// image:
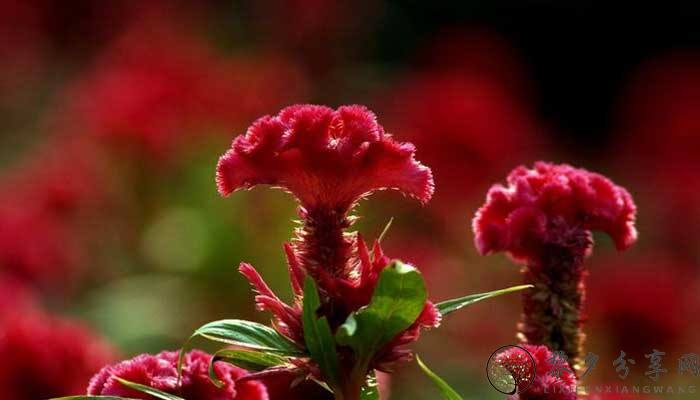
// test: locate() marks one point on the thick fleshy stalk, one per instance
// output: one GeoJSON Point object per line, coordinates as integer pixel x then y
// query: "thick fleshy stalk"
{"type": "Point", "coordinates": [553, 311]}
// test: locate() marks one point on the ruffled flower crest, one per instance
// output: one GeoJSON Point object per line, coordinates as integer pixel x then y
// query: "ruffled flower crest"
{"type": "Point", "coordinates": [329, 160]}
{"type": "Point", "coordinates": [553, 204]}
{"type": "Point", "coordinates": [160, 372]}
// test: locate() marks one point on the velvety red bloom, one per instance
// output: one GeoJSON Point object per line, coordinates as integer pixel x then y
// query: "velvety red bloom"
{"type": "Point", "coordinates": [549, 204]}
{"type": "Point", "coordinates": [543, 380]}
{"type": "Point", "coordinates": [45, 356]}
{"type": "Point", "coordinates": [328, 159]}
{"type": "Point", "coordinates": [544, 218]}
{"type": "Point", "coordinates": [157, 89]}
{"type": "Point", "coordinates": [160, 372]}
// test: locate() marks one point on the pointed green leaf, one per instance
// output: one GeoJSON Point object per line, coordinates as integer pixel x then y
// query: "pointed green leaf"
{"type": "Point", "coordinates": [92, 398]}
{"type": "Point", "coordinates": [248, 334]}
{"type": "Point", "coordinates": [370, 391]}
{"type": "Point", "coordinates": [317, 334]}
{"type": "Point", "coordinates": [148, 390]}
{"type": "Point", "coordinates": [447, 392]}
{"type": "Point", "coordinates": [246, 359]}
{"type": "Point", "coordinates": [450, 306]}
{"type": "Point", "coordinates": [398, 300]}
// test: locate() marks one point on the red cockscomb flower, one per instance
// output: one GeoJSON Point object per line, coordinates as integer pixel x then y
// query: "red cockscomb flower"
{"type": "Point", "coordinates": [160, 372]}
{"type": "Point", "coordinates": [544, 218]}
{"type": "Point", "coordinates": [45, 356]}
{"type": "Point", "coordinates": [544, 386]}
{"type": "Point", "coordinates": [157, 89]}
{"type": "Point", "coordinates": [328, 159]}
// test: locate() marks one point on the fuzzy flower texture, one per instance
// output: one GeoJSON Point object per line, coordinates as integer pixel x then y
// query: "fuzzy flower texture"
{"type": "Point", "coordinates": [160, 372]}
{"type": "Point", "coordinates": [328, 159]}
{"type": "Point", "coordinates": [544, 219]}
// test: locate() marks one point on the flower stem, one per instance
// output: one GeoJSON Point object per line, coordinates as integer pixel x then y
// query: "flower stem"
{"type": "Point", "coordinates": [553, 312]}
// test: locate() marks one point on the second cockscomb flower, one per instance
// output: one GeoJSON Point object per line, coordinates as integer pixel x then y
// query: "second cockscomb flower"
{"type": "Point", "coordinates": [544, 218]}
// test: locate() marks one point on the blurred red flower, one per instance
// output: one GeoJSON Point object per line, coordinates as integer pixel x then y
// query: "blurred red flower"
{"type": "Point", "coordinates": [50, 196]}
{"type": "Point", "coordinates": [45, 356]}
{"type": "Point", "coordinates": [659, 140]}
{"type": "Point", "coordinates": [638, 302]}
{"type": "Point", "coordinates": [158, 88]}
{"type": "Point", "coordinates": [465, 110]}
{"type": "Point", "coordinates": [160, 372]}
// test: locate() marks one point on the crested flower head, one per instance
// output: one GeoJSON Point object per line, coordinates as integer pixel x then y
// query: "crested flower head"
{"type": "Point", "coordinates": [553, 205]}
{"type": "Point", "coordinates": [160, 372]}
{"type": "Point", "coordinates": [327, 158]}
{"type": "Point", "coordinates": [544, 386]}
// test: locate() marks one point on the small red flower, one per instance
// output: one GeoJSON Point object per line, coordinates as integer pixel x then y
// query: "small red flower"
{"type": "Point", "coordinates": [45, 356]}
{"type": "Point", "coordinates": [552, 204]}
{"type": "Point", "coordinates": [543, 381]}
{"type": "Point", "coordinates": [160, 372]}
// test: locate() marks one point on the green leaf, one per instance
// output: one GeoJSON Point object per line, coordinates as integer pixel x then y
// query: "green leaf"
{"type": "Point", "coordinates": [247, 334]}
{"type": "Point", "coordinates": [92, 398]}
{"type": "Point", "coordinates": [398, 300]}
{"type": "Point", "coordinates": [148, 390]}
{"type": "Point", "coordinates": [370, 391]}
{"type": "Point", "coordinates": [317, 334]}
{"type": "Point", "coordinates": [447, 392]}
{"type": "Point", "coordinates": [449, 306]}
{"type": "Point", "coordinates": [246, 359]}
